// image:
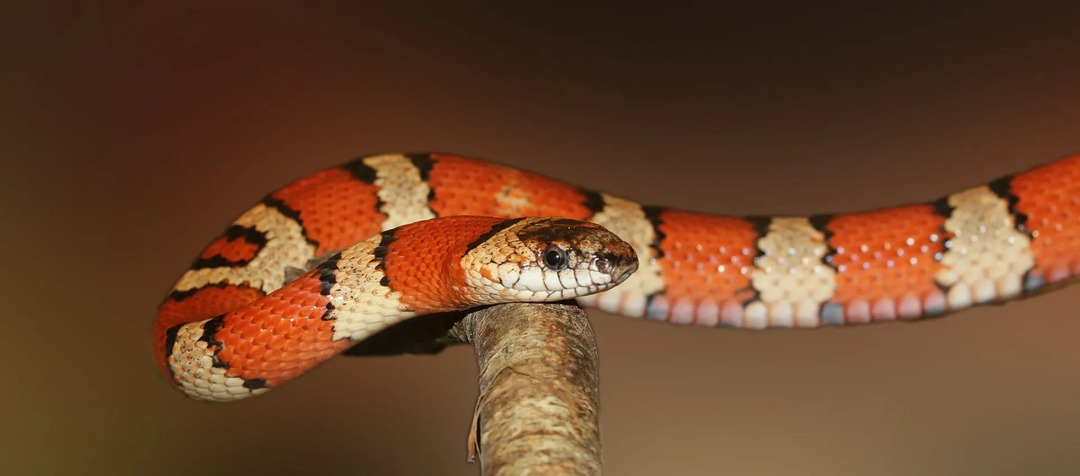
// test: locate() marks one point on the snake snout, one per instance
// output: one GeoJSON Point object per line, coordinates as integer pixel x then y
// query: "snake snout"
{"type": "Point", "coordinates": [617, 264]}
{"type": "Point", "coordinates": [607, 262]}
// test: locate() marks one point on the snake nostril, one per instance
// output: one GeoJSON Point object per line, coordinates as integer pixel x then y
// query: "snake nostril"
{"type": "Point", "coordinates": [607, 262]}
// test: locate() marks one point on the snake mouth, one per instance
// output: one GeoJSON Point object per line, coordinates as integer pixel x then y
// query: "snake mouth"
{"type": "Point", "coordinates": [619, 271]}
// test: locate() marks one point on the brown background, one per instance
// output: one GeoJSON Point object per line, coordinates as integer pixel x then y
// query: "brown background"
{"type": "Point", "coordinates": [133, 134]}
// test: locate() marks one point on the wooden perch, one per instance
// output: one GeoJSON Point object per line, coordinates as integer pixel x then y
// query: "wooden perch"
{"type": "Point", "coordinates": [538, 410]}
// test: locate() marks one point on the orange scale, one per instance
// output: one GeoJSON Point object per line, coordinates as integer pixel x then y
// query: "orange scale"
{"type": "Point", "coordinates": [282, 327]}
{"type": "Point", "coordinates": [336, 209]}
{"type": "Point", "coordinates": [271, 360]}
{"type": "Point", "coordinates": [230, 341]}
{"type": "Point", "coordinates": [289, 365]}
{"type": "Point", "coordinates": [287, 358]}
{"type": "Point", "coordinates": [313, 335]}
{"type": "Point", "coordinates": [285, 309]}
{"type": "Point", "coordinates": [1047, 195]}
{"type": "Point", "coordinates": [250, 332]}
{"type": "Point", "coordinates": [285, 361]}
{"type": "Point", "coordinates": [304, 326]}
{"type": "Point", "coordinates": [291, 345]}
{"type": "Point", "coordinates": [237, 361]}
{"type": "Point", "coordinates": [285, 373]}
{"type": "Point", "coordinates": [257, 352]}
{"type": "Point", "coordinates": [235, 250]}
{"type": "Point", "coordinates": [290, 374]}
{"type": "Point", "coordinates": [244, 347]}
{"type": "Point", "coordinates": [687, 281]}
{"type": "Point", "coordinates": [470, 187]}
{"type": "Point", "coordinates": [865, 276]}
{"type": "Point", "coordinates": [263, 338]}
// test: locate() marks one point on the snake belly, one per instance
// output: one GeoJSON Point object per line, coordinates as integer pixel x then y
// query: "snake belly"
{"type": "Point", "coordinates": [1007, 239]}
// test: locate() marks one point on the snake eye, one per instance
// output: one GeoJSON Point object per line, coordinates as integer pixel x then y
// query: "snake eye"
{"type": "Point", "coordinates": [555, 258]}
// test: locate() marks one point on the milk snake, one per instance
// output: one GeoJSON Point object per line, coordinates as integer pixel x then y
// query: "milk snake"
{"type": "Point", "coordinates": [223, 332]}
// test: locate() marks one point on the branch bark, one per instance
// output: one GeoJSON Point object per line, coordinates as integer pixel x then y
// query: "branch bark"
{"type": "Point", "coordinates": [538, 410]}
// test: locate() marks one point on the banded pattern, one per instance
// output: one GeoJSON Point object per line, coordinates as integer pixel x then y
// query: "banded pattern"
{"type": "Point", "coordinates": [441, 265]}
{"type": "Point", "coordinates": [1010, 238]}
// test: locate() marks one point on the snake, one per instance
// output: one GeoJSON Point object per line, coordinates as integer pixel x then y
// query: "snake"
{"type": "Point", "coordinates": [334, 258]}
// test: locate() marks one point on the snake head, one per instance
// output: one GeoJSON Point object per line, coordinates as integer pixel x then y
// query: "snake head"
{"type": "Point", "coordinates": [549, 259]}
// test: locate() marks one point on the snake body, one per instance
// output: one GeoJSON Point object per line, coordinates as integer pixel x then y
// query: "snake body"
{"type": "Point", "coordinates": [232, 327]}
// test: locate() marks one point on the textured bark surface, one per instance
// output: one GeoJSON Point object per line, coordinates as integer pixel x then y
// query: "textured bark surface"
{"type": "Point", "coordinates": [538, 410]}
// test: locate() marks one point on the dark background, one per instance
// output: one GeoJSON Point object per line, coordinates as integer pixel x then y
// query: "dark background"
{"type": "Point", "coordinates": [132, 134]}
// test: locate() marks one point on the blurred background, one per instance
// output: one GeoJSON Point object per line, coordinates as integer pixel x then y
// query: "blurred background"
{"type": "Point", "coordinates": [133, 132]}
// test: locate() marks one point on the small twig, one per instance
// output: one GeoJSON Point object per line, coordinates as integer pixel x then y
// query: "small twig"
{"type": "Point", "coordinates": [538, 410]}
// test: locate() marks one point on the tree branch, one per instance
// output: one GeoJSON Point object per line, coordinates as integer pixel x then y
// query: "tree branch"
{"type": "Point", "coordinates": [538, 410]}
